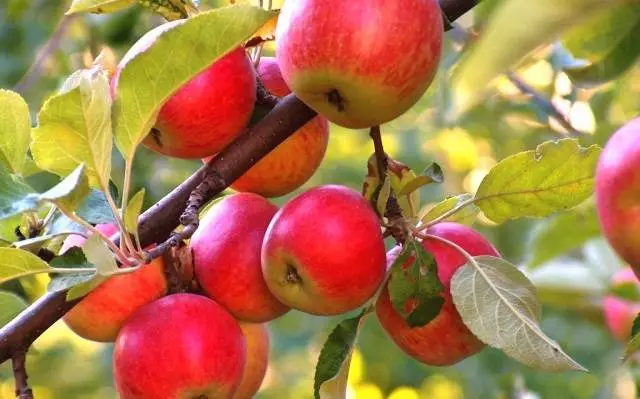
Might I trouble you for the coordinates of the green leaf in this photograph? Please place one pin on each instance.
(634, 343)
(383, 195)
(556, 176)
(185, 49)
(10, 306)
(74, 128)
(70, 192)
(635, 328)
(98, 6)
(34, 244)
(332, 370)
(561, 234)
(98, 253)
(95, 209)
(171, 9)
(628, 290)
(16, 263)
(133, 211)
(499, 305)
(466, 214)
(496, 52)
(15, 195)
(74, 258)
(15, 127)
(414, 279)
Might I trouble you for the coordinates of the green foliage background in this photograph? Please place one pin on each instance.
(572, 263)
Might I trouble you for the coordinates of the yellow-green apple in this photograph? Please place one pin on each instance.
(360, 64)
(618, 192)
(619, 313)
(323, 252)
(100, 315)
(206, 113)
(445, 340)
(257, 338)
(180, 346)
(295, 160)
(226, 257)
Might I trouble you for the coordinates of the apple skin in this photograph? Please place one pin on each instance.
(206, 113)
(257, 338)
(101, 314)
(181, 346)
(376, 58)
(295, 160)
(323, 252)
(619, 313)
(445, 340)
(618, 192)
(226, 256)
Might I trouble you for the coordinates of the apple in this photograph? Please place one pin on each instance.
(445, 340)
(617, 182)
(323, 252)
(226, 257)
(257, 338)
(619, 313)
(295, 160)
(360, 64)
(206, 113)
(100, 315)
(180, 346)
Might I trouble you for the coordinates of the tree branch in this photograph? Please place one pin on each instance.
(20, 374)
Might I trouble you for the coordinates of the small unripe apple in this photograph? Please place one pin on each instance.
(180, 346)
(359, 63)
(618, 192)
(323, 252)
(619, 313)
(206, 113)
(295, 160)
(102, 313)
(257, 338)
(226, 257)
(445, 340)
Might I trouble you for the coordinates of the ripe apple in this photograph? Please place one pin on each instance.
(100, 315)
(295, 160)
(180, 346)
(226, 256)
(323, 252)
(257, 338)
(359, 64)
(445, 340)
(619, 313)
(206, 113)
(618, 192)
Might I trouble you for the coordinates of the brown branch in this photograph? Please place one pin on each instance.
(159, 221)
(381, 157)
(20, 374)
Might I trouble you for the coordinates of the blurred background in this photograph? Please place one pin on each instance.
(564, 255)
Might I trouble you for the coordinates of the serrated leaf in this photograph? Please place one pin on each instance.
(171, 9)
(499, 305)
(74, 128)
(465, 215)
(561, 234)
(133, 211)
(98, 6)
(332, 369)
(558, 175)
(383, 195)
(10, 306)
(70, 192)
(414, 287)
(16, 263)
(15, 127)
(633, 345)
(98, 253)
(486, 60)
(186, 48)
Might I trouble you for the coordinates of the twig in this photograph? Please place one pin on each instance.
(381, 157)
(20, 375)
(33, 73)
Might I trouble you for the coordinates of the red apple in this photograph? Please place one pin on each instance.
(323, 252)
(445, 340)
(180, 346)
(618, 192)
(294, 161)
(206, 113)
(226, 256)
(360, 64)
(100, 315)
(257, 338)
(619, 313)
